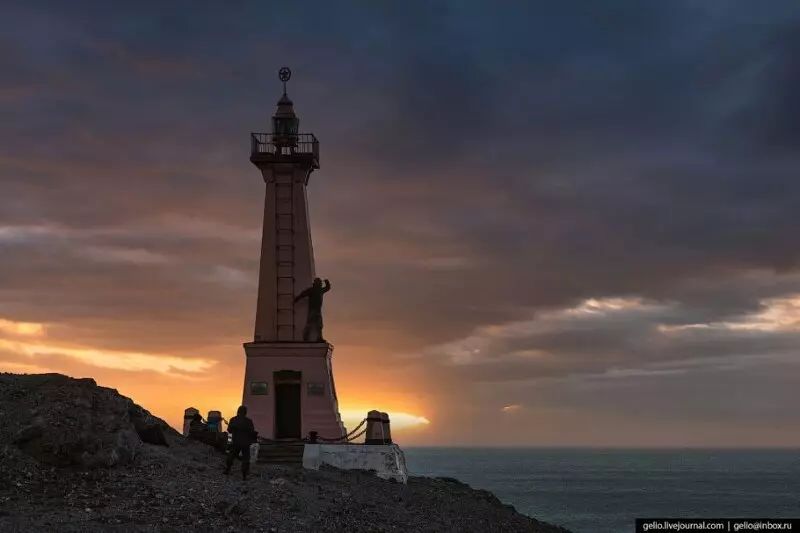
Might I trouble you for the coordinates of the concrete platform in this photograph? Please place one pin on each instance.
(386, 460)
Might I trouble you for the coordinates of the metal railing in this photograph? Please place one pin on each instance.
(269, 144)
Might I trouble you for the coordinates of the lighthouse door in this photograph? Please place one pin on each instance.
(288, 407)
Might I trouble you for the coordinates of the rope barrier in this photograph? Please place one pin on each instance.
(356, 428)
(357, 436)
(347, 437)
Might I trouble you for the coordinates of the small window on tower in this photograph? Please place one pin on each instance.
(258, 388)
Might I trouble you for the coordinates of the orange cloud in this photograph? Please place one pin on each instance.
(35, 347)
(26, 329)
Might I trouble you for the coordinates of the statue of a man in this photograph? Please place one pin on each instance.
(313, 330)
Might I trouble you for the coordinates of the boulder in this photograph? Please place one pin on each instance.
(62, 422)
(151, 433)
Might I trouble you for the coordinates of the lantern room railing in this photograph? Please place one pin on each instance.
(271, 145)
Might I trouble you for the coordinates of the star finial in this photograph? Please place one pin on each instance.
(284, 74)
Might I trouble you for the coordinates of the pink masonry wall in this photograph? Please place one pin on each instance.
(320, 413)
(303, 258)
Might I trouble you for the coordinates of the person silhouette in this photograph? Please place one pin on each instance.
(243, 434)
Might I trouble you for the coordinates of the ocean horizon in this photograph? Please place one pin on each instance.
(603, 490)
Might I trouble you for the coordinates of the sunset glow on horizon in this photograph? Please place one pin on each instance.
(399, 421)
(41, 355)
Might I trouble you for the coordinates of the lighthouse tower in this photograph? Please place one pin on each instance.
(288, 384)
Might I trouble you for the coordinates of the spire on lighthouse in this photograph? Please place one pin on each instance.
(285, 124)
(285, 138)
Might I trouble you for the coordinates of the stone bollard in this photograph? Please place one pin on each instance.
(254, 453)
(387, 430)
(214, 421)
(374, 433)
(188, 414)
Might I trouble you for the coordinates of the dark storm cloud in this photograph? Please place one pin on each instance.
(627, 341)
(770, 123)
(481, 164)
(625, 173)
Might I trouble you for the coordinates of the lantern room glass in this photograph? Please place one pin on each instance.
(285, 126)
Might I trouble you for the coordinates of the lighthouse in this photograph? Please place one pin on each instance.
(288, 386)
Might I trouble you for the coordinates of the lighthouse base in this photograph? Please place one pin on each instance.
(289, 390)
(387, 460)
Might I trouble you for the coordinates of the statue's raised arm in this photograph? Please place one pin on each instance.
(312, 332)
(302, 295)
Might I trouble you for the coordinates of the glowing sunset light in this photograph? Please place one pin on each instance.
(10, 366)
(400, 421)
(129, 361)
(26, 329)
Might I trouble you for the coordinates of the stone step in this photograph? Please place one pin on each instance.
(281, 460)
(281, 453)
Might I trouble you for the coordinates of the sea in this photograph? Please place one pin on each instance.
(604, 491)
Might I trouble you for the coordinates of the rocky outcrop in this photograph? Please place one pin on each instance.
(62, 422)
(72, 460)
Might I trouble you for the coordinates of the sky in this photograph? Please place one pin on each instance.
(546, 223)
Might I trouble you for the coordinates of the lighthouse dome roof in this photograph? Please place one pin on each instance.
(285, 107)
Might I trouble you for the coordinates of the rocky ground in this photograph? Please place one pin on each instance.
(72, 459)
